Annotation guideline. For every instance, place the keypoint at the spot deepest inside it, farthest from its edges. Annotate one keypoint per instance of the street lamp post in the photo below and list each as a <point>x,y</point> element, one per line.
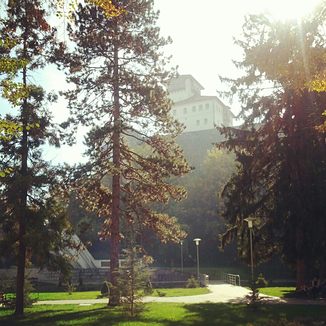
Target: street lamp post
<point>181,255</point>
<point>197,240</point>
<point>250,226</point>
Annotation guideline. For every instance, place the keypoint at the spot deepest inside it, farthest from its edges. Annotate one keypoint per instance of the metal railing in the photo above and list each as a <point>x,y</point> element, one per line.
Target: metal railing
<point>233,279</point>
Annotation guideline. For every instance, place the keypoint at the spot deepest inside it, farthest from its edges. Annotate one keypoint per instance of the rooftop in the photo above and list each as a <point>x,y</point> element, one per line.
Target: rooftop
<point>178,83</point>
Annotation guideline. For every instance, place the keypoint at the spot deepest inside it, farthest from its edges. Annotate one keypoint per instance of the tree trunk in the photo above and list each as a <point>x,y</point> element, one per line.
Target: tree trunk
<point>114,298</point>
<point>300,263</point>
<point>22,209</point>
<point>300,179</point>
<point>300,271</point>
<point>323,269</point>
<point>20,281</point>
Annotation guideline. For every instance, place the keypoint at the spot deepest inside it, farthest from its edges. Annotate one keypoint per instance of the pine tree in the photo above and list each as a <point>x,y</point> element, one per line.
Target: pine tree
<point>30,214</point>
<point>118,72</point>
<point>281,176</point>
<point>133,278</point>
<point>10,90</point>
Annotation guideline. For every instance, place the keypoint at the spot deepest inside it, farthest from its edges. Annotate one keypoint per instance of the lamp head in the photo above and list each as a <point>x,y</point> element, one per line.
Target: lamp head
<point>250,221</point>
<point>197,240</point>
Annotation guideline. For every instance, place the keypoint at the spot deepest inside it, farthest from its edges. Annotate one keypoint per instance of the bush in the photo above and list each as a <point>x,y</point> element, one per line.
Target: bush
<point>261,281</point>
<point>28,289</point>
<point>8,285</point>
<point>160,293</point>
<point>70,288</point>
<point>148,288</point>
<point>192,283</point>
<point>105,289</point>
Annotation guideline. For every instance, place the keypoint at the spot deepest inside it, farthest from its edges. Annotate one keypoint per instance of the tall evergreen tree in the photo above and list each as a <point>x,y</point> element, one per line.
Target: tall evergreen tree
<point>28,215</point>
<point>10,90</point>
<point>281,179</point>
<point>118,72</point>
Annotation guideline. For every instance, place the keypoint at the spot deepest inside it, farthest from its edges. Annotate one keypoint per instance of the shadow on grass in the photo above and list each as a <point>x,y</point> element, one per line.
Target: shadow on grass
<point>238,314</point>
<point>290,294</point>
<point>169,315</point>
<point>222,314</point>
<point>69,314</point>
<point>81,315</point>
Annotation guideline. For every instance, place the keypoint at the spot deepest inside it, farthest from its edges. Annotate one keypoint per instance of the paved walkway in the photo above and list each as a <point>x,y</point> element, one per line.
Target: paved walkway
<point>220,293</point>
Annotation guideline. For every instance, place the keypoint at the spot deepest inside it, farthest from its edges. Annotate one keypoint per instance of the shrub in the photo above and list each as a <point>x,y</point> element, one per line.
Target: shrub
<point>148,288</point>
<point>261,281</point>
<point>28,289</point>
<point>192,282</point>
<point>8,285</point>
<point>70,288</point>
<point>160,293</point>
<point>105,289</point>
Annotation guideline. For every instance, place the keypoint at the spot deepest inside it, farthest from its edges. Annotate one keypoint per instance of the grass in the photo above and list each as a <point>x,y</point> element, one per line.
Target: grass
<point>179,292</point>
<point>277,291</point>
<point>175,292</point>
<point>167,314</point>
<point>45,296</point>
<point>215,273</point>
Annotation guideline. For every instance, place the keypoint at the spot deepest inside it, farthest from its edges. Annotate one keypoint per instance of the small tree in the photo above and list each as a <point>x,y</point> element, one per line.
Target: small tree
<point>133,279</point>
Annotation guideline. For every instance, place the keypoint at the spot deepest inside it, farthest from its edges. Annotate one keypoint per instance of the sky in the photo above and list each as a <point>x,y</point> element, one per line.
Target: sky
<point>203,45</point>
<point>203,34</point>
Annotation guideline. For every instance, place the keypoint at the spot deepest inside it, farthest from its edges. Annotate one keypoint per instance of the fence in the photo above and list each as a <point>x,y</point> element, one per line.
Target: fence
<point>233,279</point>
<point>168,278</point>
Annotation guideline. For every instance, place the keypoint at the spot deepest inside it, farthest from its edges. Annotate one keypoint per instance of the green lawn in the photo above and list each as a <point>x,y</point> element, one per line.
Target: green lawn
<point>277,291</point>
<point>167,314</point>
<point>215,273</point>
<point>179,292</point>
<point>45,296</point>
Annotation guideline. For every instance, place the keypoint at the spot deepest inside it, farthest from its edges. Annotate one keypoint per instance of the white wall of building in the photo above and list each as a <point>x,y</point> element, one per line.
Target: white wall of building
<point>198,112</point>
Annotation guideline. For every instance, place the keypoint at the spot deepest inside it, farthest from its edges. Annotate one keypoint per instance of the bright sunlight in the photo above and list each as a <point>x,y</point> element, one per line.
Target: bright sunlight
<point>287,9</point>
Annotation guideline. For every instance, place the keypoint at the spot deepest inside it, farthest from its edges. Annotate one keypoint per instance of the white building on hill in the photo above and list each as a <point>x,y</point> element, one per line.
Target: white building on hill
<point>195,111</point>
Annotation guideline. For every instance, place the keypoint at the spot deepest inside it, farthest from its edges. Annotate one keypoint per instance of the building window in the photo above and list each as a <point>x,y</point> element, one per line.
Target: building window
<point>184,110</point>
<point>193,109</point>
<point>105,263</point>
<point>197,122</point>
<point>200,107</point>
<point>207,106</point>
<point>205,121</point>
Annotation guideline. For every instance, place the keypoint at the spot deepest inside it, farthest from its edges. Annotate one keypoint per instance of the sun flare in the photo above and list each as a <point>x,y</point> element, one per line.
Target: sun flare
<point>287,9</point>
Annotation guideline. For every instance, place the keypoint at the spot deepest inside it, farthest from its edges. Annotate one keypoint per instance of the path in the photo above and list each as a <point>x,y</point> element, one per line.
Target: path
<point>220,293</point>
